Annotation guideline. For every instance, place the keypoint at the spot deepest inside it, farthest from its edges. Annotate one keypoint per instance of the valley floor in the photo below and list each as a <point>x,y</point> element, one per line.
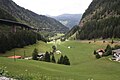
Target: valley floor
<point>84,65</point>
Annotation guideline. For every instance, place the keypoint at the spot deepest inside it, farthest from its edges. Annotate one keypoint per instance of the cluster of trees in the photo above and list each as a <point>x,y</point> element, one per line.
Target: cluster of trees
<point>49,57</point>
<point>106,28</point>
<point>64,60</point>
<point>19,39</point>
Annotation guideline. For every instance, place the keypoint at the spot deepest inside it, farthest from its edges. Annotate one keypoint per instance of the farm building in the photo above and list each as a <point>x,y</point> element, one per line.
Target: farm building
<point>40,55</point>
<point>116,54</point>
<point>100,51</point>
<point>58,52</point>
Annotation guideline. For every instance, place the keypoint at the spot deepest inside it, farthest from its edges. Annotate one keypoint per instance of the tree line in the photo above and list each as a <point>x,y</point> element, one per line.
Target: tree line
<point>49,57</point>
<point>19,39</point>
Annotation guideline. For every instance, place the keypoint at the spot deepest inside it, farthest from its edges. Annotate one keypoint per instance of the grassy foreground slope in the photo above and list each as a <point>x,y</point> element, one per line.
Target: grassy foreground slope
<point>84,66</point>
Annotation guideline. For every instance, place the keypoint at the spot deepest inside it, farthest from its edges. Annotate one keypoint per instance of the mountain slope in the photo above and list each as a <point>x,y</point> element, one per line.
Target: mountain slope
<point>69,20</point>
<point>101,20</point>
<point>30,18</point>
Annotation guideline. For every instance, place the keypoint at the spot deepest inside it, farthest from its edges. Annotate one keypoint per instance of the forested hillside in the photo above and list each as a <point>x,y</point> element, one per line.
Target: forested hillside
<point>71,32</point>
<point>100,20</point>
<point>18,39</point>
<point>10,10</point>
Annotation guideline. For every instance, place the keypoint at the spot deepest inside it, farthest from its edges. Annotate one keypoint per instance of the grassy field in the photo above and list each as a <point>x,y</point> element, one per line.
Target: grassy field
<point>84,65</point>
<point>57,36</point>
<point>41,46</point>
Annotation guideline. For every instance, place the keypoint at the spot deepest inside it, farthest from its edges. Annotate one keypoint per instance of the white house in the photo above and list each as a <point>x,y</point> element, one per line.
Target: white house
<point>116,54</point>
<point>58,52</point>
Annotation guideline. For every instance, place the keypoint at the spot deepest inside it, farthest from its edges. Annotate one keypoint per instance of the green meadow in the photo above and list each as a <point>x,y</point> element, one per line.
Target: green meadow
<point>41,46</point>
<point>84,65</point>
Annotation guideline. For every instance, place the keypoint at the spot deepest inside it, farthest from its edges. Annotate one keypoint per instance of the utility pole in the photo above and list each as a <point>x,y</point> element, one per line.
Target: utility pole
<point>24,54</point>
<point>14,55</point>
<point>14,31</point>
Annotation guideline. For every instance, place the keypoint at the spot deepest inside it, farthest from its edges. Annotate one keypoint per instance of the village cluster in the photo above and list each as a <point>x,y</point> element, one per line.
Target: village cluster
<point>113,51</point>
<point>47,56</point>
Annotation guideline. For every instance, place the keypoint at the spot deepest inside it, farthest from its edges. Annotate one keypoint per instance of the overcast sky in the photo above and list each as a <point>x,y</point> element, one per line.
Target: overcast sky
<point>55,7</point>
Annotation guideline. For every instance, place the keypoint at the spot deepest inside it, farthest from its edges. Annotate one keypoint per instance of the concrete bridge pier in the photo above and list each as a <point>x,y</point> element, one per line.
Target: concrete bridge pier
<point>13,29</point>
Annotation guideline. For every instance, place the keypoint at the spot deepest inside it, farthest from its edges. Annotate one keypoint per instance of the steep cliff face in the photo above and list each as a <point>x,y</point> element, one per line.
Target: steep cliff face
<point>28,17</point>
<point>100,20</point>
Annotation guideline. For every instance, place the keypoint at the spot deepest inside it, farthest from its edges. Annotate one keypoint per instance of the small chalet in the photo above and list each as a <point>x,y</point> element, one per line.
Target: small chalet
<point>100,51</point>
<point>58,52</point>
<point>116,54</point>
<point>40,55</point>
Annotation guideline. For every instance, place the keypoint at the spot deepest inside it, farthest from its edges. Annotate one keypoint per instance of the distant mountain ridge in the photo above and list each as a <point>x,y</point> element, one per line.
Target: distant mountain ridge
<point>14,12</point>
<point>69,20</point>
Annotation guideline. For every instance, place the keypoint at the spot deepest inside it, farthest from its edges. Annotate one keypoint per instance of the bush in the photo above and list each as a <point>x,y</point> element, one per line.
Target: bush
<point>95,52</point>
<point>3,72</point>
<point>117,47</point>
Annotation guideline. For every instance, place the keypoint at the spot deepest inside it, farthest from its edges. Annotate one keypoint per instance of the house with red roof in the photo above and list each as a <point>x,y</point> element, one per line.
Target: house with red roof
<point>100,51</point>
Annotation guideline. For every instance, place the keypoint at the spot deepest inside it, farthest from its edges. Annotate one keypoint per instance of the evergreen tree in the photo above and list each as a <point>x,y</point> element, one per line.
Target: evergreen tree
<point>66,60</point>
<point>47,57</point>
<point>58,61</point>
<point>61,59</point>
<point>108,47</point>
<point>108,51</point>
<point>53,59</point>
<point>35,54</point>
